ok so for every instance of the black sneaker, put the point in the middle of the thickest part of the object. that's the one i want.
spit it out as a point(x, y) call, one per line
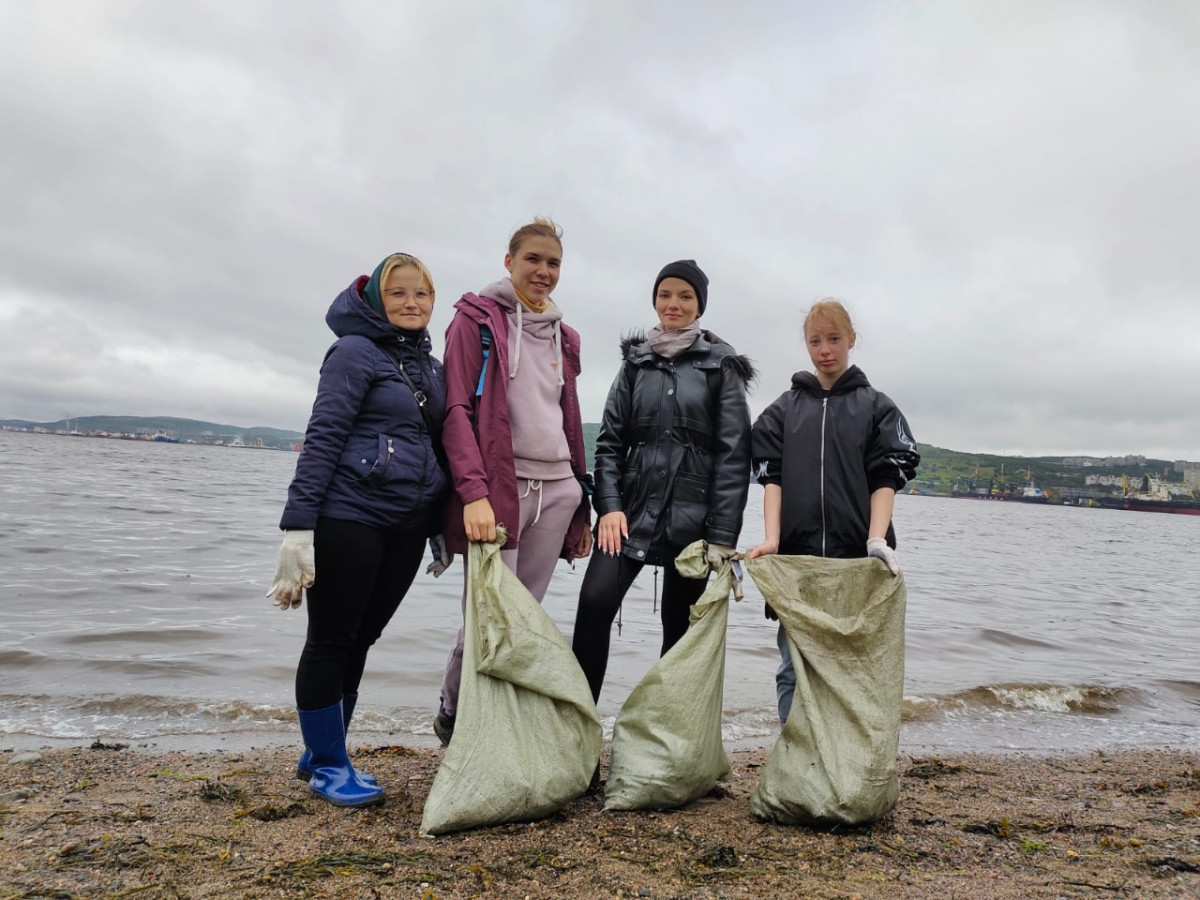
point(443, 727)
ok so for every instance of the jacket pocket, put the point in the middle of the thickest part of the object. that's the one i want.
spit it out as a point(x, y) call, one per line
point(377, 475)
point(689, 507)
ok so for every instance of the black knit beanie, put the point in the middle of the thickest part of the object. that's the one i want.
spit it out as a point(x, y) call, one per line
point(689, 272)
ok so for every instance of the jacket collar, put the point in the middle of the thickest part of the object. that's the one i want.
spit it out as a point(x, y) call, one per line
point(639, 351)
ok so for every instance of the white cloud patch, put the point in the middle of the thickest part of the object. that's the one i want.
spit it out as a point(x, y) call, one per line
point(1002, 193)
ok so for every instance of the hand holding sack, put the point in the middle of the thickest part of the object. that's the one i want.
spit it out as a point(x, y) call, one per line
point(878, 548)
point(718, 554)
point(295, 569)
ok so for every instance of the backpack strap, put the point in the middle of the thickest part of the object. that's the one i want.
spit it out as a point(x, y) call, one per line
point(419, 395)
point(485, 340)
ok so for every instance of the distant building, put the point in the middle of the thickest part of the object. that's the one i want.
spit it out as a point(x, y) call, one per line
point(1123, 461)
point(1108, 462)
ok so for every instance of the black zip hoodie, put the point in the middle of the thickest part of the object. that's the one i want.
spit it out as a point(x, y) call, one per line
point(829, 450)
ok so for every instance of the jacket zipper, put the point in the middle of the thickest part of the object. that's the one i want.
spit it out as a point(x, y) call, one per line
point(824, 409)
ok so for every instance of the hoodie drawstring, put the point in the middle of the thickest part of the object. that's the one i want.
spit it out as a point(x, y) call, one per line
point(558, 355)
point(533, 484)
point(558, 351)
point(517, 351)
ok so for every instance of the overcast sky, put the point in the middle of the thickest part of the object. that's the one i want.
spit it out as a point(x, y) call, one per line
point(1005, 194)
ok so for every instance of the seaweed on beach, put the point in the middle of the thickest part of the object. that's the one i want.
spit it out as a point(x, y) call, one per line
point(932, 768)
point(132, 852)
point(213, 791)
point(273, 812)
point(390, 751)
point(982, 826)
point(351, 862)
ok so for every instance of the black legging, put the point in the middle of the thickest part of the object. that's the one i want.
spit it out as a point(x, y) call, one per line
point(362, 575)
point(604, 586)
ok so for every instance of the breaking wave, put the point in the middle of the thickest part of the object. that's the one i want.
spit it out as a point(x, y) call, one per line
point(1087, 699)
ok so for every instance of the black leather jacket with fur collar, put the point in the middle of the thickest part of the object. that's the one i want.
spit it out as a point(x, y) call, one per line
point(673, 451)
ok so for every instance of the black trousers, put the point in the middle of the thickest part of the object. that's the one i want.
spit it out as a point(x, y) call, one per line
point(605, 584)
point(362, 575)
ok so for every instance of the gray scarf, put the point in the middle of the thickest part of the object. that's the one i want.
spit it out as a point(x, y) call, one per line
point(669, 344)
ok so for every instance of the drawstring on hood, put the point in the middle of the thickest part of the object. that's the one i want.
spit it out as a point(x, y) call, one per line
point(510, 301)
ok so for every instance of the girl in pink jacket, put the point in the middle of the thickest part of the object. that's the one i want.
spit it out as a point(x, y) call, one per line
point(513, 432)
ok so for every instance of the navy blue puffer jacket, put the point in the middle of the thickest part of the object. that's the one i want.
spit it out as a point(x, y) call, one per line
point(368, 456)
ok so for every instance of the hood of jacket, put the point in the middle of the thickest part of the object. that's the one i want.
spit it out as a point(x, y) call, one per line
point(349, 314)
point(852, 379)
point(545, 325)
point(635, 348)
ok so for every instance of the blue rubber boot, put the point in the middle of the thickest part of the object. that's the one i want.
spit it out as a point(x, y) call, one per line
point(333, 778)
point(304, 764)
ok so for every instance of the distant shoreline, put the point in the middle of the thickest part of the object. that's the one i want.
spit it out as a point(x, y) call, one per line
point(156, 438)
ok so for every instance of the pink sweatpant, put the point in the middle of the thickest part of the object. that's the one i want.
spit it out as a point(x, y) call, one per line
point(547, 508)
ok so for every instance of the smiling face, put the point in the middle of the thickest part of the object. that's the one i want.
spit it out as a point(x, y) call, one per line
point(676, 304)
point(828, 348)
point(534, 267)
point(407, 298)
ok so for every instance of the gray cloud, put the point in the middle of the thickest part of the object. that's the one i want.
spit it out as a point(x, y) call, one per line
point(1002, 193)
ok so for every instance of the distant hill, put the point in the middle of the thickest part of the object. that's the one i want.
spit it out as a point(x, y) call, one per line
point(590, 430)
point(941, 471)
point(950, 470)
point(184, 430)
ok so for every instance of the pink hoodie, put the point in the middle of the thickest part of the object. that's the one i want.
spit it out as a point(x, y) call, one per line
point(535, 382)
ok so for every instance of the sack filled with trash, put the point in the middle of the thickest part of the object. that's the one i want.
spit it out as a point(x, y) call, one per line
point(666, 745)
point(835, 761)
point(527, 737)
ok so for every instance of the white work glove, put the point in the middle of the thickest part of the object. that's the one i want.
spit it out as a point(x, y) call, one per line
point(718, 554)
point(294, 571)
point(441, 556)
point(878, 548)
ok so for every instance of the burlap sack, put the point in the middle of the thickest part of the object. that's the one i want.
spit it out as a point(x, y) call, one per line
point(835, 761)
point(666, 747)
point(527, 737)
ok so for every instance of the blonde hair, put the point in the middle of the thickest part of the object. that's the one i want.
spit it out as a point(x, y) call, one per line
point(833, 312)
point(404, 261)
point(539, 227)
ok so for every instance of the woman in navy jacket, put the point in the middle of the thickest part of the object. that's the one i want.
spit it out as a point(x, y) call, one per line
point(367, 494)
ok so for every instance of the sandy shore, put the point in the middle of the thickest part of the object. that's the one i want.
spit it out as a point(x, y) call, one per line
point(107, 821)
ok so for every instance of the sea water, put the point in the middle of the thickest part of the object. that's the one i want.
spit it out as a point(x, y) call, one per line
point(132, 608)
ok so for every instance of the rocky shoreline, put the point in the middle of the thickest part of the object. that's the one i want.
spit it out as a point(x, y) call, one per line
point(109, 821)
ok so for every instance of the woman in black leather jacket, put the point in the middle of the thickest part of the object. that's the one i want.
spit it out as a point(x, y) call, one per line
point(672, 464)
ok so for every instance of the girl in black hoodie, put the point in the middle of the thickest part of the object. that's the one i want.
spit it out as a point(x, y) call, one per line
point(831, 454)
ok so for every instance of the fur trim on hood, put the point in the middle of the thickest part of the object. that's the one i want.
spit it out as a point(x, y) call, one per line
point(742, 366)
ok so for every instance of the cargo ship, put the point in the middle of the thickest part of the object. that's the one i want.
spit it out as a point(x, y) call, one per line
point(1152, 496)
point(1002, 490)
point(1030, 493)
